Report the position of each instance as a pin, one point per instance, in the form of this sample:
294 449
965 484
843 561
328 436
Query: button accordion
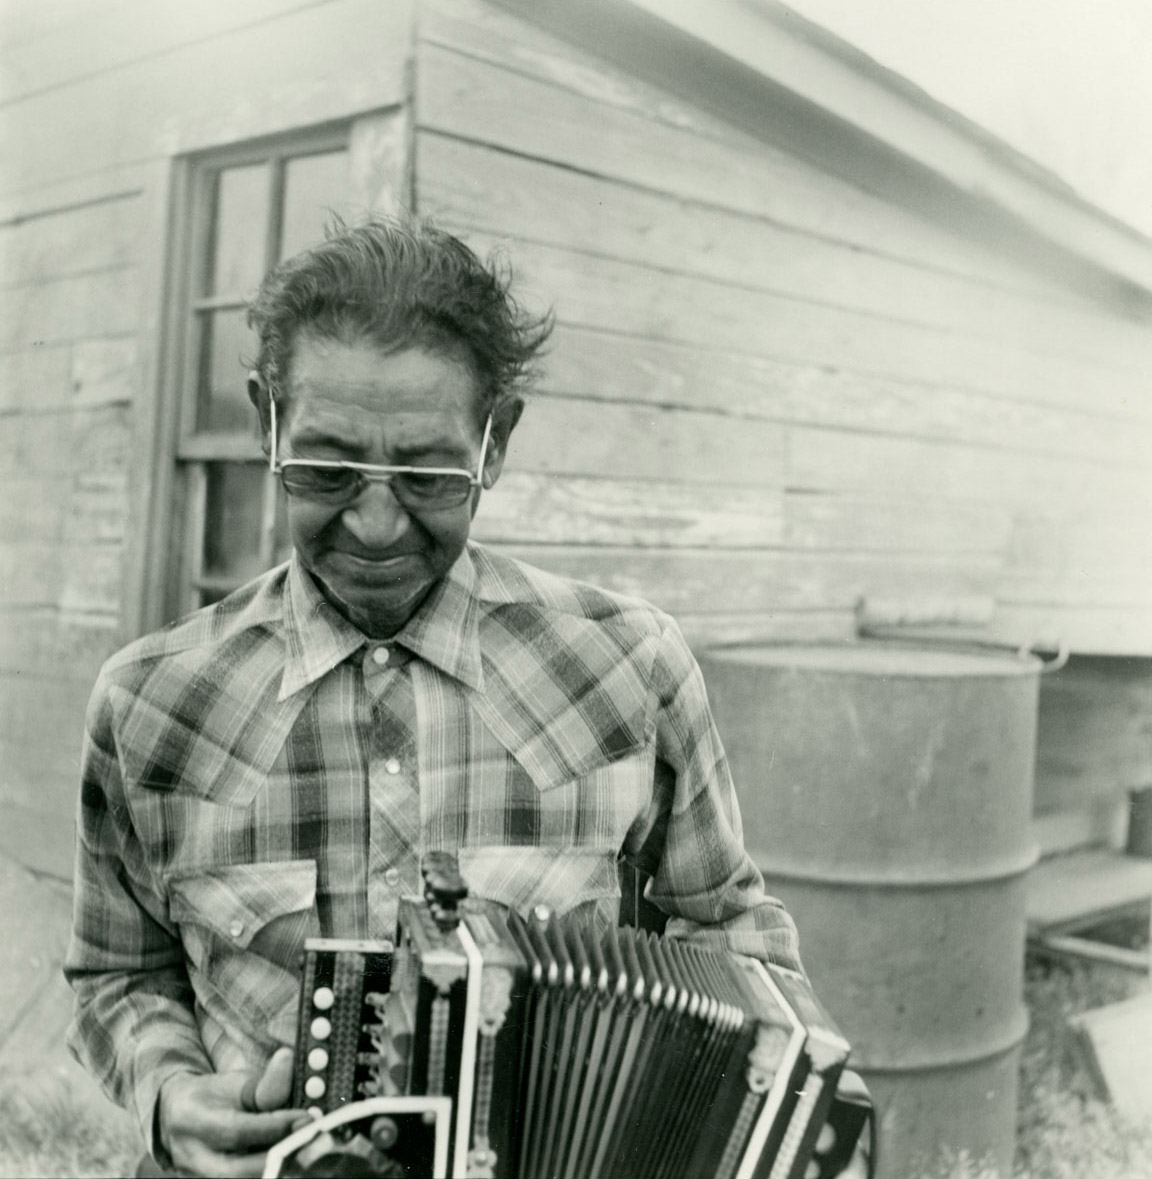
481 1045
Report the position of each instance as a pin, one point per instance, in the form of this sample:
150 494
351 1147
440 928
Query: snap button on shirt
380 656
392 877
236 929
392 766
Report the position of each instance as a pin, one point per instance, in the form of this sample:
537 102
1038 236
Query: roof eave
844 111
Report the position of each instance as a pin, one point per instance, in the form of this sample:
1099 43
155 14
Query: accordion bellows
566 1051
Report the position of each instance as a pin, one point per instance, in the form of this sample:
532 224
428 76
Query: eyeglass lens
341 485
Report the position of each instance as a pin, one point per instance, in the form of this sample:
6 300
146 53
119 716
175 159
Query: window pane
240 230
314 187
228 346
233 510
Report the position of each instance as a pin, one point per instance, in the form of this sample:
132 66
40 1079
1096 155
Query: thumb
274 1088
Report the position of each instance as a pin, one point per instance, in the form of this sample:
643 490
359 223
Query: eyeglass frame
374 472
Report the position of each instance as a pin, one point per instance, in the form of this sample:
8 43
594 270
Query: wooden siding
96 99
772 394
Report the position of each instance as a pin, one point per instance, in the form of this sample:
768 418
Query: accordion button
314 1087
321 1029
323 998
384 1133
318 1059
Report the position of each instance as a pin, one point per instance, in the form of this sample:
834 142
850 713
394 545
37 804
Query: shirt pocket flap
522 877
237 901
554 756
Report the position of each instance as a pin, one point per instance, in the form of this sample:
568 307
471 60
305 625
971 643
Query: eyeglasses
338 483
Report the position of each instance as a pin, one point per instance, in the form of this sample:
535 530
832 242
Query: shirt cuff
146 1092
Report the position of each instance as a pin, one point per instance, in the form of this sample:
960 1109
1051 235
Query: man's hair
399 283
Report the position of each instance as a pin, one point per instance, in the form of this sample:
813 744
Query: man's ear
259 396
503 423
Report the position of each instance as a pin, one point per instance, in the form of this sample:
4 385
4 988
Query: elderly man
274 766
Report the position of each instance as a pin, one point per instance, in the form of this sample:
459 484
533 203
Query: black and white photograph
576 589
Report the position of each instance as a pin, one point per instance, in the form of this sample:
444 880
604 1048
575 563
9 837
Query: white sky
1068 82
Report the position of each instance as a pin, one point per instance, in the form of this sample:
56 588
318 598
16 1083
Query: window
246 209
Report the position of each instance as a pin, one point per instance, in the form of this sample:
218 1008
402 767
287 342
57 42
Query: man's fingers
274 1089
243 1131
215 1164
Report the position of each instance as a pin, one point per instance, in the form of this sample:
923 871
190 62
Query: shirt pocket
243 927
595 807
563 878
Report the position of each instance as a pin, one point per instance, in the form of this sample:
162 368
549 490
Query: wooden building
821 342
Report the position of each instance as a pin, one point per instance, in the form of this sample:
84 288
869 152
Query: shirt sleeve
702 877
134 1025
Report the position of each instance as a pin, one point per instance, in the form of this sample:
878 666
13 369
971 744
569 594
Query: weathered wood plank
103 236
1114 539
49 643
1121 1040
844 523
317 64
567 510
22 23
1094 741
471 187
97 511
796 626
564 436
98 39
1057 832
32 507
734 582
380 163
67 309
494 79
36 377
606 365
84 508
611 295
41 763
84 373
74 192
104 372
1119 589
81 577
1067 889
1087 629
907 468
92 442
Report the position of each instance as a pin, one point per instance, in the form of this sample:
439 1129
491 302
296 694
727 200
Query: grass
50 1128
1065 1131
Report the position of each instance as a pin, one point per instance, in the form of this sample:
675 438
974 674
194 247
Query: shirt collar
444 631
316 637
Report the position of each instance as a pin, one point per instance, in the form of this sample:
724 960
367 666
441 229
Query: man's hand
218 1125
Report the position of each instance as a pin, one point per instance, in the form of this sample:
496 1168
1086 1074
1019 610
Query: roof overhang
840 109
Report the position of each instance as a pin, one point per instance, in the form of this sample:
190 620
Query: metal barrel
886 795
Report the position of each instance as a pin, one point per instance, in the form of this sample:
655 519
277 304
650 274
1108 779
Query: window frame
196 448
381 180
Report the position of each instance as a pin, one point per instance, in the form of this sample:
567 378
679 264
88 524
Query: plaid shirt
262 772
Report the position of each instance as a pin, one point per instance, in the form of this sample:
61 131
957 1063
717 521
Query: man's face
374 559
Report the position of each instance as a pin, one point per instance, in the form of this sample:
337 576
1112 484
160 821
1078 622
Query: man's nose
377 519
